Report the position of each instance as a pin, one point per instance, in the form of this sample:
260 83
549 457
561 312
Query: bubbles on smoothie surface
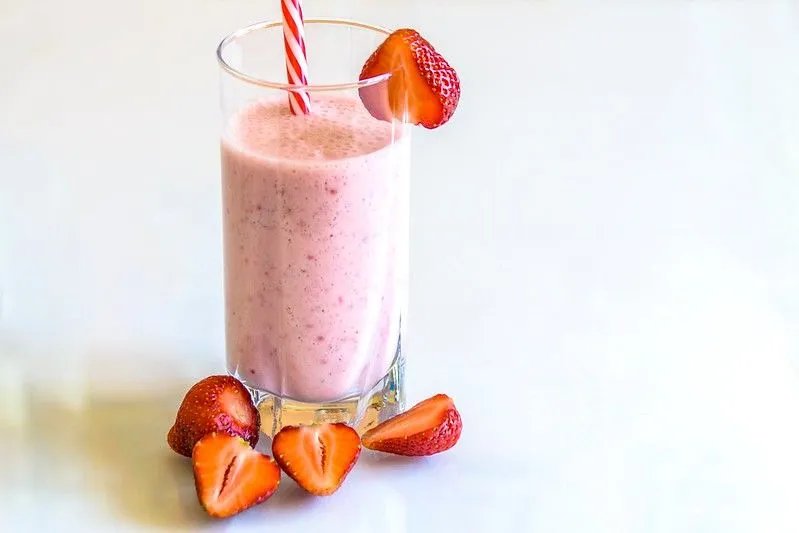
269 129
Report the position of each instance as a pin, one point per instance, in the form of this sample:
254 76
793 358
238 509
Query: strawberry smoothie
315 243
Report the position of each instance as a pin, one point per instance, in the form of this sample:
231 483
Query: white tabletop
605 268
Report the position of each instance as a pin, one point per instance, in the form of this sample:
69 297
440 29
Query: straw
296 59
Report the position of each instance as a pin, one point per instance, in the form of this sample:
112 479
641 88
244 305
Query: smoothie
315 244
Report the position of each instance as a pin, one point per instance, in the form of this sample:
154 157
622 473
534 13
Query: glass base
363 412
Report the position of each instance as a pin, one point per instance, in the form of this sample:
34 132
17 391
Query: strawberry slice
317 457
230 476
422 89
217 403
429 427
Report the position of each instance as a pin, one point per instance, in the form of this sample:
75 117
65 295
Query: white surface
605 268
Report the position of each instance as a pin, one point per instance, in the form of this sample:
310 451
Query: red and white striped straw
296 59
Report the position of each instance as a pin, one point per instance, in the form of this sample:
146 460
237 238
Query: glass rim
270 24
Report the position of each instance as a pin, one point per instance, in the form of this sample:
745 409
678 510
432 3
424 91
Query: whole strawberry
215 404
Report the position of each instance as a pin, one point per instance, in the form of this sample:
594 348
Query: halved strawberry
230 476
317 457
422 89
217 403
429 427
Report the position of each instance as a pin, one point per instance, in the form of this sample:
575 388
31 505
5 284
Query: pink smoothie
315 233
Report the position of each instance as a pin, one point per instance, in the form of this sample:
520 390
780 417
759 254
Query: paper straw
296 59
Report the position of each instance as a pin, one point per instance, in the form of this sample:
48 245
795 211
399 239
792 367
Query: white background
605 267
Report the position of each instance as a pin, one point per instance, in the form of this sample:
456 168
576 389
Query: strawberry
317 457
230 476
422 83
429 427
217 403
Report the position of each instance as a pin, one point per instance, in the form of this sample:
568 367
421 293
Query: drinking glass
315 227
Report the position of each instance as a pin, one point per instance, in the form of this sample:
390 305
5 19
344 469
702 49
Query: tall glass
315 229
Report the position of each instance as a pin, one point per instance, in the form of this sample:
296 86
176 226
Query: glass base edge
383 401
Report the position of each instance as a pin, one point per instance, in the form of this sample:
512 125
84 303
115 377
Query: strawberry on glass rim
423 88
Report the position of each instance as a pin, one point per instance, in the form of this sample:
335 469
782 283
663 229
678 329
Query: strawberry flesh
317 457
430 427
230 476
217 403
422 88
